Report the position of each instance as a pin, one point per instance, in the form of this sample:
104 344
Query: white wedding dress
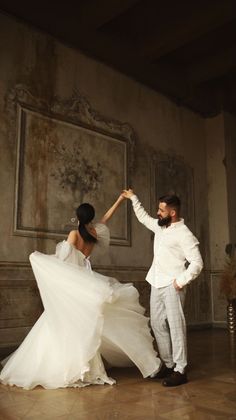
86 316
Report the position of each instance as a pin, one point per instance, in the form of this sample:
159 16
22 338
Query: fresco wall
221 152
73 129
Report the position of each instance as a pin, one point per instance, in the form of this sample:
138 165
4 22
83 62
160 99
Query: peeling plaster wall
219 144
230 162
217 191
50 68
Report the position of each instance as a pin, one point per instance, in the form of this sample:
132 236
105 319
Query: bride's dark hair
85 214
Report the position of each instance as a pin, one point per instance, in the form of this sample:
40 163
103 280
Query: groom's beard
165 221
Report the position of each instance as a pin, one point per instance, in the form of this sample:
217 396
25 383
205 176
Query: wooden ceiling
185 49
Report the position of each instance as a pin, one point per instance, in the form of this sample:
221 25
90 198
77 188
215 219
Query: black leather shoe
175 379
163 372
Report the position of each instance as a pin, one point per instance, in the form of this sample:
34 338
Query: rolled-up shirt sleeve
142 215
190 248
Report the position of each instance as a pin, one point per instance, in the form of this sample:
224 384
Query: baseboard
220 324
201 326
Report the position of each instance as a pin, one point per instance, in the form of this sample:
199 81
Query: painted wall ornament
170 174
67 153
76 173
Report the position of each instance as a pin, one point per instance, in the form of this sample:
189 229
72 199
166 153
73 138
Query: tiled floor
209 394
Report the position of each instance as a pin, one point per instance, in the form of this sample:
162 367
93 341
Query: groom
174 245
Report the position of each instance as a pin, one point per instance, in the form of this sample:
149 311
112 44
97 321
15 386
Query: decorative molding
13 265
21 303
22 272
75 109
123 268
74 170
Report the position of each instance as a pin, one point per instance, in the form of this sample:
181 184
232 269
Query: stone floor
209 394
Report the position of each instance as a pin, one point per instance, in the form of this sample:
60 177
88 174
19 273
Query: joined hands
127 193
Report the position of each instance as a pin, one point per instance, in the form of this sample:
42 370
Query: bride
88 318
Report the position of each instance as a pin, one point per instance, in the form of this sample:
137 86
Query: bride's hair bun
85 213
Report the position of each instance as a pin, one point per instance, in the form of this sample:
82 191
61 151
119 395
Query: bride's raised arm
112 210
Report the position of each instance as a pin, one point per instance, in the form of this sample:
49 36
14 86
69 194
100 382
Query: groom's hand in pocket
176 286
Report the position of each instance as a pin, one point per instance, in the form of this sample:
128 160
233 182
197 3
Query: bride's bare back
79 243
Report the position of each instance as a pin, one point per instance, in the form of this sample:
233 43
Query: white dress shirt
173 247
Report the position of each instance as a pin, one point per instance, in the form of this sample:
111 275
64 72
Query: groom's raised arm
140 212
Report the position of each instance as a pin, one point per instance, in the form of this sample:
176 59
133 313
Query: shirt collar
175 224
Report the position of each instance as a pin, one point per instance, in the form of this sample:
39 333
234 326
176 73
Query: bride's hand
112 210
127 193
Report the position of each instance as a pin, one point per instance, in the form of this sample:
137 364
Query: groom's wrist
133 197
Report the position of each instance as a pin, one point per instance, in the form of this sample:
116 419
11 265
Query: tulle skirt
86 316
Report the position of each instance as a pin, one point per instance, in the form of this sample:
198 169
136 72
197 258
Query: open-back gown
86 316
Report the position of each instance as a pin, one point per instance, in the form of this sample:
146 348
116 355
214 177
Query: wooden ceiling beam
121 56
88 14
95 14
212 67
183 27
204 101
78 24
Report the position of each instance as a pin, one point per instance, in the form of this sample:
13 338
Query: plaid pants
168 325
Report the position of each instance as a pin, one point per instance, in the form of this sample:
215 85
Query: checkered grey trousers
168 325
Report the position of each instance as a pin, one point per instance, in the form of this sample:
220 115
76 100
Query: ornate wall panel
67 154
171 175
